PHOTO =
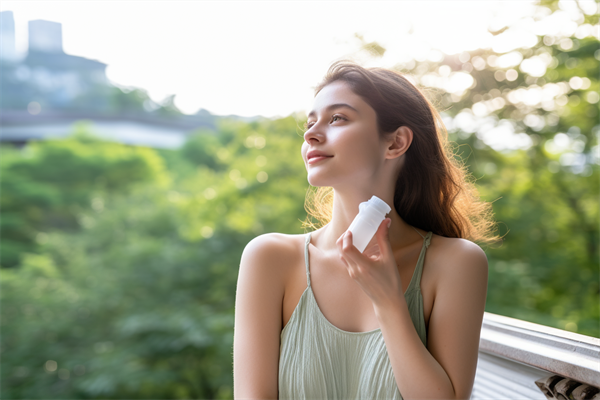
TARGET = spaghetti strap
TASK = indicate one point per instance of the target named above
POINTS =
(306, 258)
(428, 238)
(418, 232)
(318, 360)
(416, 278)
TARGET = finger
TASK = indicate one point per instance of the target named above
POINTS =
(351, 252)
(340, 246)
(345, 262)
(383, 240)
(372, 251)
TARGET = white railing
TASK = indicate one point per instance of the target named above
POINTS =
(523, 360)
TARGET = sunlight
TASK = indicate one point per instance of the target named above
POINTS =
(264, 65)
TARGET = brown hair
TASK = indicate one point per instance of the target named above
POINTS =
(434, 191)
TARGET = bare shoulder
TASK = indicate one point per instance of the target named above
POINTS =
(456, 257)
(264, 268)
(270, 254)
(269, 246)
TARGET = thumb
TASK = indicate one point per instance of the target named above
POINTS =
(383, 240)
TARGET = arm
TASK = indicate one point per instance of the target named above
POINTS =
(446, 369)
(258, 319)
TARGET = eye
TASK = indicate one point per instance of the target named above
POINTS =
(308, 125)
(338, 118)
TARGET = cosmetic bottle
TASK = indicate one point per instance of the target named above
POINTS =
(366, 223)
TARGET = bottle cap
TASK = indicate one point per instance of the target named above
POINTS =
(379, 205)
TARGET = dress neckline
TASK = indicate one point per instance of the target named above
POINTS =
(411, 285)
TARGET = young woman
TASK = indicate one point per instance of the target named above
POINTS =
(317, 319)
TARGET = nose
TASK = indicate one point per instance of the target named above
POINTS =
(314, 134)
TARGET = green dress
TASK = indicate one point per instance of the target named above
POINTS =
(317, 360)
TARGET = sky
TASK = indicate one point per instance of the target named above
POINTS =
(257, 57)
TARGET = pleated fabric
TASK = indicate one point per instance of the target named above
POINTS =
(317, 360)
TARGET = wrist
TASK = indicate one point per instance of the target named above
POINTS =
(391, 306)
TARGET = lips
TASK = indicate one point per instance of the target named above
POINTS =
(315, 159)
(315, 155)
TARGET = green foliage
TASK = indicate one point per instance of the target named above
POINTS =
(45, 185)
(126, 306)
(138, 303)
(202, 148)
(531, 140)
(123, 101)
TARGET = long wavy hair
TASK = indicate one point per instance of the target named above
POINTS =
(434, 190)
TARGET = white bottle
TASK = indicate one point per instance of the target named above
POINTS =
(366, 223)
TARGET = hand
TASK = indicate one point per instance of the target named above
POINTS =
(375, 270)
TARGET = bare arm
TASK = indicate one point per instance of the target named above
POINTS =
(446, 368)
(258, 319)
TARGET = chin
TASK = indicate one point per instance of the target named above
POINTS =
(316, 180)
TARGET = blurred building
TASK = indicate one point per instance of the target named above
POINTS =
(7, 36)
(61, 77)
(45, 36)
(47, 76)
(47, 91)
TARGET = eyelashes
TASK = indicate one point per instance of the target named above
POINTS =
(334, 118)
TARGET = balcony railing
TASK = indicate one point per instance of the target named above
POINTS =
(523, 360)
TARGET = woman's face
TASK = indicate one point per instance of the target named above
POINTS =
(343, 127)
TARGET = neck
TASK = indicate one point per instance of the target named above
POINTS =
(345, 209)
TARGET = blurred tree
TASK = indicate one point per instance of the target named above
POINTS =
(139, 302)
(122, 100)
(202, 148)
(525, 119)
(45, 185)
(168, 107)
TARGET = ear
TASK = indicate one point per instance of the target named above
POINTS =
(399, 142)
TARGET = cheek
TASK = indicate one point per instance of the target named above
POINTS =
(359, 148)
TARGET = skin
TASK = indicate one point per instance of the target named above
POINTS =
(357, 291)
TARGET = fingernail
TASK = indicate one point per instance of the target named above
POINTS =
(389, 223)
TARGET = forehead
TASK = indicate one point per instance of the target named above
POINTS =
(337, 92)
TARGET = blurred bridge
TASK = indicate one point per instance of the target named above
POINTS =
(19, 127)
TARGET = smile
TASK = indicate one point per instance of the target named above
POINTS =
(313, 160)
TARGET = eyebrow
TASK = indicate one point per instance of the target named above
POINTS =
(332, 107)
